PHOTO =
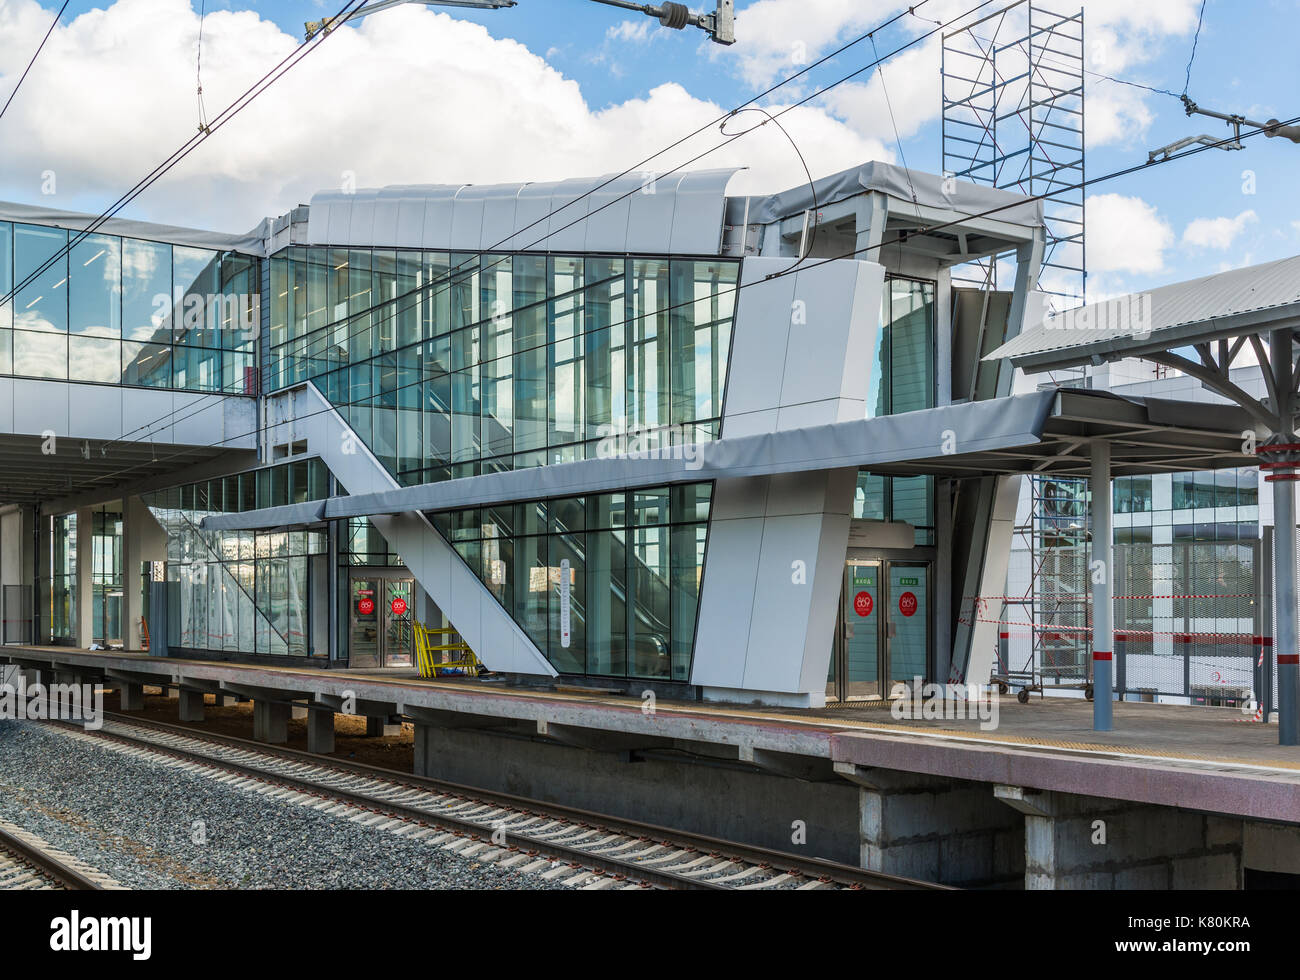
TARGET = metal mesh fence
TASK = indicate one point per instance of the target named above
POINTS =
(1191, 620)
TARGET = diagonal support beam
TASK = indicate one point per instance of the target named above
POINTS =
(1215, 381)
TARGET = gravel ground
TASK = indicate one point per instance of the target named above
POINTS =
(137, 821)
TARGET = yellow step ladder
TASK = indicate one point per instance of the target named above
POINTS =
(437, 659)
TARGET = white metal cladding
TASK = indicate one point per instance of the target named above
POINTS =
(681, 214)
(1169, 316)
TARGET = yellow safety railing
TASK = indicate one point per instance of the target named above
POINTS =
(436, 659)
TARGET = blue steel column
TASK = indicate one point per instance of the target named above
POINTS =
(1284, 606)
(1287, 648)
(1103, 627)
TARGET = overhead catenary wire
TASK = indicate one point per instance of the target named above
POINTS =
(1196, 43)
(284, 66)
(720, 120)
(735, 290)
(39, 48)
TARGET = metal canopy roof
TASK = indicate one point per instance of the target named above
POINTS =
(30, 475)
(1147, 436)
(1044, 432)
(1246, 301)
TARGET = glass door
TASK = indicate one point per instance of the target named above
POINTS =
(909, 623)
(363, 620)
(399, 637)
(882, 630)
(855, 661)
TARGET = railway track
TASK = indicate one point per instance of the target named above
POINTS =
(27, 863)
(574, 847)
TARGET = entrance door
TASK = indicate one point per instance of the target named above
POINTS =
(399, 637)
(363, 619)
(381, 623)
(882, 634)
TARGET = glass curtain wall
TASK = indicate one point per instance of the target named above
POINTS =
(106, 576)
(622, 571)
(241, 592)
(61, 587)
(125, 311)
(902, 380)
(503, 362)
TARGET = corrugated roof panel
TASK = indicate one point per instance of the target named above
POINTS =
(1139, 319)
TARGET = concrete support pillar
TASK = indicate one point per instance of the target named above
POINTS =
(933, 829)
(424, 735)
(382, 728)
(1078, 842)
(84, 613)
(320, 731)
(132, 696)
(1103, 607)
(270, 722)
(191, 705)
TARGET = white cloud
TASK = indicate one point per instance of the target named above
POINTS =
(408, 96)
(1218, 233)
(1126, 234)
(779, 37)
(632, 31)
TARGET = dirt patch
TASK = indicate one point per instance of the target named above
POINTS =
(350, 739)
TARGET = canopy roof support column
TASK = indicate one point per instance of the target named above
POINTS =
(1283, 479)
(1103, 627)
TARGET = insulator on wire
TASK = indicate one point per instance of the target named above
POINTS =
(675, 15)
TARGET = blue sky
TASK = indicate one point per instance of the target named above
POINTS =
(410, 96)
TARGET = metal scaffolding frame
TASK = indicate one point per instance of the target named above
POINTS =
(1013, 118)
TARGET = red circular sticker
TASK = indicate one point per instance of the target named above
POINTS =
(366, 606)
(907, 604)
(399, 607)
(862, 604)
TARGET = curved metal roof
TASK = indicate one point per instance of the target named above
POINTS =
(681, 213)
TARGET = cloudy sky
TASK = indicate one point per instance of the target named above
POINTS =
(559, 88)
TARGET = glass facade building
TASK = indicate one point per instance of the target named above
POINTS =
(451, 365)
(634, 562)
(116, 310)
(241, 592)
(902, 380)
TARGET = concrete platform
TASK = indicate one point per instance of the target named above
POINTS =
(1213, 760)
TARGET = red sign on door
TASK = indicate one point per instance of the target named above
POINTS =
(399, 607)
(862, 604)
(907, 604)
(366, 606)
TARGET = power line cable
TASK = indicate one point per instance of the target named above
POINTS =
(735, 290)
(230, 112)
(1196, 42)
(39, 48)
(721, 120)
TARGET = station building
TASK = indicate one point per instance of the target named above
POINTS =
(641, 434)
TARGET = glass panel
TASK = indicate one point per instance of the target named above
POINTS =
(862, 631)
(40, 355)
(42, 304)
(92, 359)
(96, 288)
(909, 619)
(146, 291)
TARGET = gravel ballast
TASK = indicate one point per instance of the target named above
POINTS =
(150, 826)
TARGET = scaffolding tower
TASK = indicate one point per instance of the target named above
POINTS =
(1013, 118)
